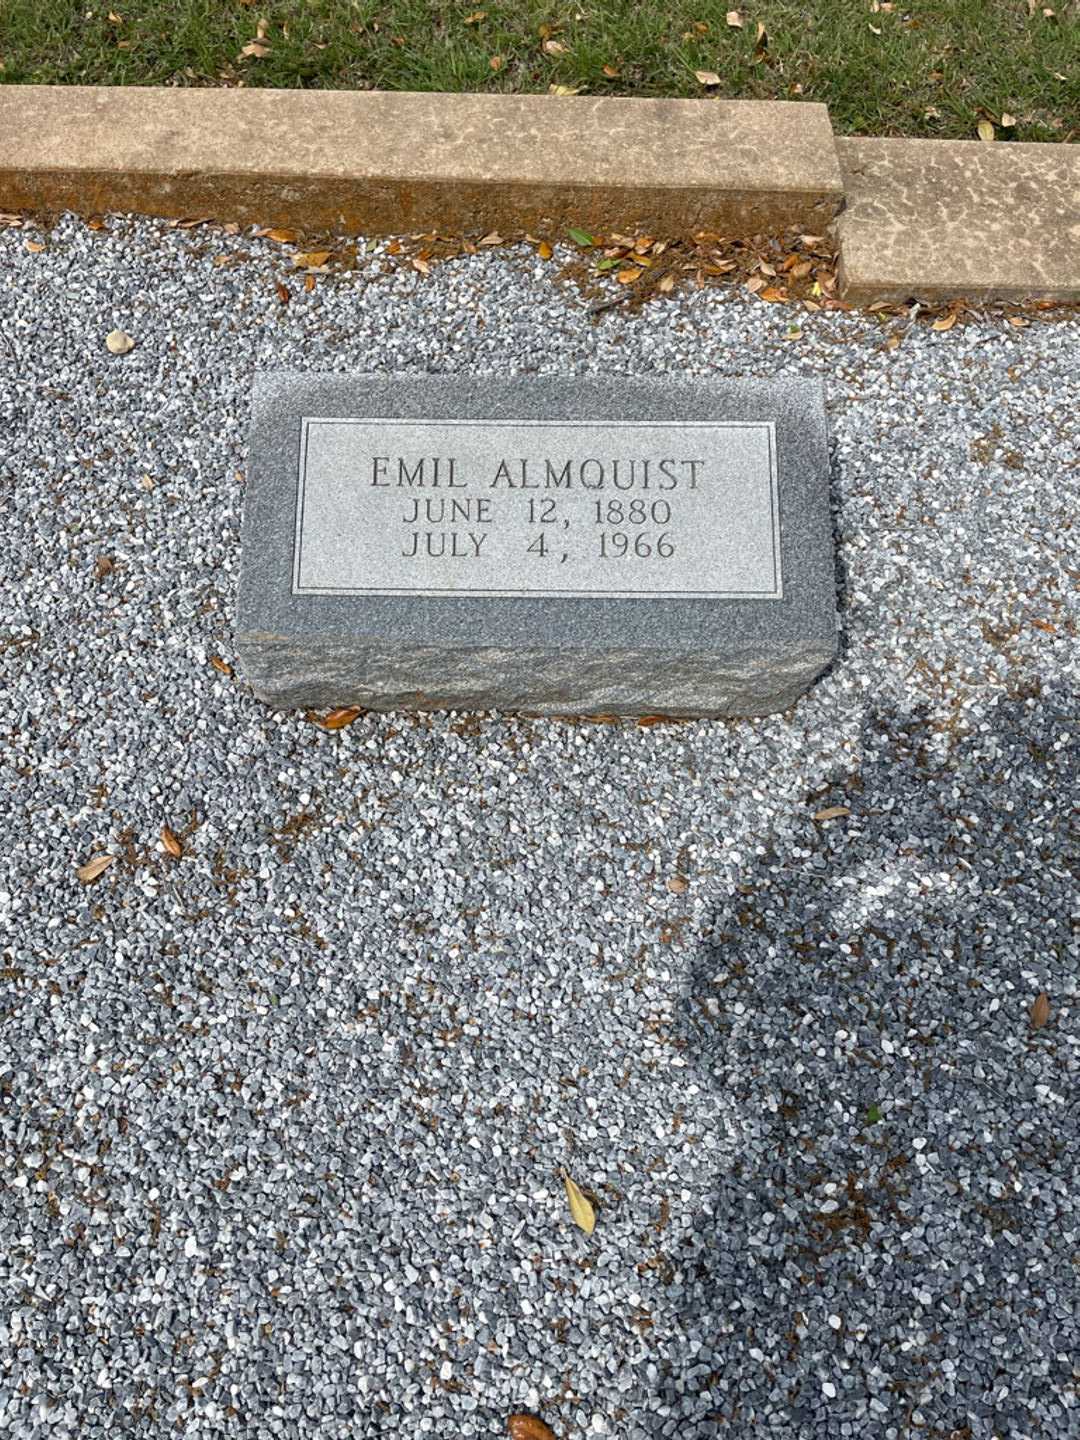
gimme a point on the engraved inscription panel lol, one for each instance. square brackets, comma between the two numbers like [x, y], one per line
[634, 509]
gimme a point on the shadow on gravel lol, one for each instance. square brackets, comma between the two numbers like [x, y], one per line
[894, 1251]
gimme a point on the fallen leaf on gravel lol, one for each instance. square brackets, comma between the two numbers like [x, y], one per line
[707, 77]
[581, 1211]
[283, 237]
[221, 666]
[544, 250]
[945, 323]
[311, 259]
[773, 294]
[832, 812]
[171, 842]
[1040, 1011]
[1018, 321]
[282, 293]
[628, 276]
[118, 343]
[677, 885]
[309, 282]
[527, 1427]
[894, 341]
[89, 872]
[492, 238]
[338, 719]
[986, 130]
[103, 566]
[667, 284]
[421, 265]
[734, 19]
[35, 247]
[582, 238]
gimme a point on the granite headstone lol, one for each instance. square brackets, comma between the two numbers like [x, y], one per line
[554, 546]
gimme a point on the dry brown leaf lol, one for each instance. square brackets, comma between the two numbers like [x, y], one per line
[35, 247]
[894, 341]
[1007, 120]
[309, 282]
[755, 284]
[1019, 321]
[528, 1427]
[667, 284]
[282, 293]
[221, 666]
[256, 50]
[171, 842]
[735, 20]
[491, 238]
[338, 719]
[554, 47]
[311, 259]
[1046, 625]
[707, 77]
[117, 342]
[986, 130]
[628, 276]
[283, 237]
[581, 1211]
[103, 565]
[475, 17]
[1040, 1011]
[773, 294]
[89, 872]
[544, 250]
[496, 62]
[678, 885]
[95, 223]
[832, 812]
[611, 71]
[421, 265]
[945, 323]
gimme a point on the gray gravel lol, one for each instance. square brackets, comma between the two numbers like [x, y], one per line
[284, 1120]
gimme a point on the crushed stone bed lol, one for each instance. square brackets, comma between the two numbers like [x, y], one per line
[285, 1119]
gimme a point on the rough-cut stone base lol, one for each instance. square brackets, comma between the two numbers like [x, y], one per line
[548, 653]
[541, 682]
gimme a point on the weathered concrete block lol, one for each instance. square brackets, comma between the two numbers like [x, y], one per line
[383, 162]
[543, 545]
[935, 219]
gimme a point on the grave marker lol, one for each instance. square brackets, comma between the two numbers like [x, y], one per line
[545, 545]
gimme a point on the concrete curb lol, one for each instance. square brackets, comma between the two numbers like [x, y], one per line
[381, 163]
[922, 219]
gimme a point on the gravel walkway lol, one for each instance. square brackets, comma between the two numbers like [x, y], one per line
[285, 1118]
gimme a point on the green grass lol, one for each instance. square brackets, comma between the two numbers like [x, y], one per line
[927, 67]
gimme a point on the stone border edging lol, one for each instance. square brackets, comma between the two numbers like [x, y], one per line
[924, 219]
[378, 162]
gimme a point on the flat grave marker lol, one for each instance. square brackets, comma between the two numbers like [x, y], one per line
[541, 545]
